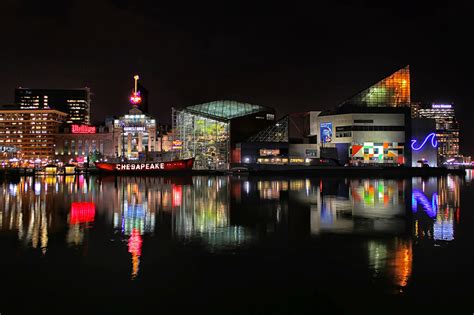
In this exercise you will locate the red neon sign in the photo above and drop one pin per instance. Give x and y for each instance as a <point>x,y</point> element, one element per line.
<point>135,98</point>
<point>83,129</point>
<point>82,212</point>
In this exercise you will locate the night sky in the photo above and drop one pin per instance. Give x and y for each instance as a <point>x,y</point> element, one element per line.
<point>280,54</point>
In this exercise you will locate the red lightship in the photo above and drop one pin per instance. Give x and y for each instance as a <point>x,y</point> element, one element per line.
<point>147,167</point>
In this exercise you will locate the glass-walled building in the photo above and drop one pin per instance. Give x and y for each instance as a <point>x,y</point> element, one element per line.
<point>209,131</point>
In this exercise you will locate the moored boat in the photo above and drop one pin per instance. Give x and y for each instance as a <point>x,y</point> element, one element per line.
<point>146,167</point>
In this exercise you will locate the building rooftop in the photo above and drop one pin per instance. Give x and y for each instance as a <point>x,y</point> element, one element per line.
<point>392,91</point>
<point>225,109</point>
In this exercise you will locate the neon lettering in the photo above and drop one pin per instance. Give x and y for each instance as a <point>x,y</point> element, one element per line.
<point>82,129</point>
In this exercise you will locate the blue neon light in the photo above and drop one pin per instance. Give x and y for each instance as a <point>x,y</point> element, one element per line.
<point>434,142</point>
<point>419,198</point>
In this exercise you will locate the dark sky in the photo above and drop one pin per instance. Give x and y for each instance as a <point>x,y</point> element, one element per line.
<point>284,55</point>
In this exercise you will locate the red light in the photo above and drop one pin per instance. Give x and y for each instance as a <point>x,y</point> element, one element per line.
<point>177,192</point>
<point>135,98</point>
<point>135,243</point>
<point>83,129</point>
<point>82,212</point>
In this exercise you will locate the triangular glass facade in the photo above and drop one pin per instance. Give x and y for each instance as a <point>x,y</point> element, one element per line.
<point>393,91</point>
<point>278,132</point>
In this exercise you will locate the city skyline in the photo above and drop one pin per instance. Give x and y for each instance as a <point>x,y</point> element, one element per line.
<point>290,59</point>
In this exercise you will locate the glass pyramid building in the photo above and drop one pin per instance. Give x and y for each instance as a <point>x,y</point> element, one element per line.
<point>278,132</point>
<point>393,91</point>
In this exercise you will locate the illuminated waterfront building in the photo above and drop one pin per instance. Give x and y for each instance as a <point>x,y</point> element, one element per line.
<point>75,102</point>
<point>77,142</point>
<point>32,132</point>
<point>135,133</point>
<point>447,129</point>
<point>372,127</point>
<point>210,131</point>
<point>364,135</point>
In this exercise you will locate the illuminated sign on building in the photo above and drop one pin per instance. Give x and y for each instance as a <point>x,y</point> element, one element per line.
<point>83,129</point>
<point>326,132</point>
<point>134,129</point>
<point>441,106</point>
<point>269,152</point>
<point>177,144</point>
<point>8,149</point>
<point>135,98</point>
<point>434,142</point>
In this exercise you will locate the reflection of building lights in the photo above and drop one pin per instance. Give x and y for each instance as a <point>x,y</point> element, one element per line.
<point>135,243</point>
<point>37,188</point>
<point>247,187</point>
<point>82,212</point>
<point>177,192</point>
<point>403,263</point>
<point>135,248</point>
<point>430,208</point>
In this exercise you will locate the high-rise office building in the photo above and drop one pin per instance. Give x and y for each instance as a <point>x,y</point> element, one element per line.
<point>74,102</point>
<point>31,132</point>
<point>447,129</point>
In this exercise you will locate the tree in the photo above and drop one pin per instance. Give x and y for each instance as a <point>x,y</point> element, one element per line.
<point>94,156</point>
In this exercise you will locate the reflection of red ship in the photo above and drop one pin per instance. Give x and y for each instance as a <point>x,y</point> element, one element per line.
<point>147,167</point>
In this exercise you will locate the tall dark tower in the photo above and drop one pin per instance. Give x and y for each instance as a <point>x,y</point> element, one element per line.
<point>144,94</point>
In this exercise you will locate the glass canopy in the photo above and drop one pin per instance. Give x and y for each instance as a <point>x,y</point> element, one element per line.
<point>225,109</point>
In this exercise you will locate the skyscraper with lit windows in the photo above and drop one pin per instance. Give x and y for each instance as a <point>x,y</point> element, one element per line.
<point>74,102</point>
<point>447,129</point>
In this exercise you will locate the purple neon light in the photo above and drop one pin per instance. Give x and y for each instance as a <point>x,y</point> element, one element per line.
<point>434,142</point>
<point>419,198</point>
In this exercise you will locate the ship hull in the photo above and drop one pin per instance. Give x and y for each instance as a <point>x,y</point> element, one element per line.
<point>176,166</point>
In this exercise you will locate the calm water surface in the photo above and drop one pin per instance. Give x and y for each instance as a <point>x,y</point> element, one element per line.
<point>236,245</point>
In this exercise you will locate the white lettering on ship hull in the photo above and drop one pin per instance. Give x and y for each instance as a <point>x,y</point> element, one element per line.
<point>139,167</point>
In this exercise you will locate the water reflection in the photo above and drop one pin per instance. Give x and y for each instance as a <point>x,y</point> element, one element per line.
<point>360,206</point>
<point>436,207</point>
<point>220,213</point>
<point>392,259</point>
